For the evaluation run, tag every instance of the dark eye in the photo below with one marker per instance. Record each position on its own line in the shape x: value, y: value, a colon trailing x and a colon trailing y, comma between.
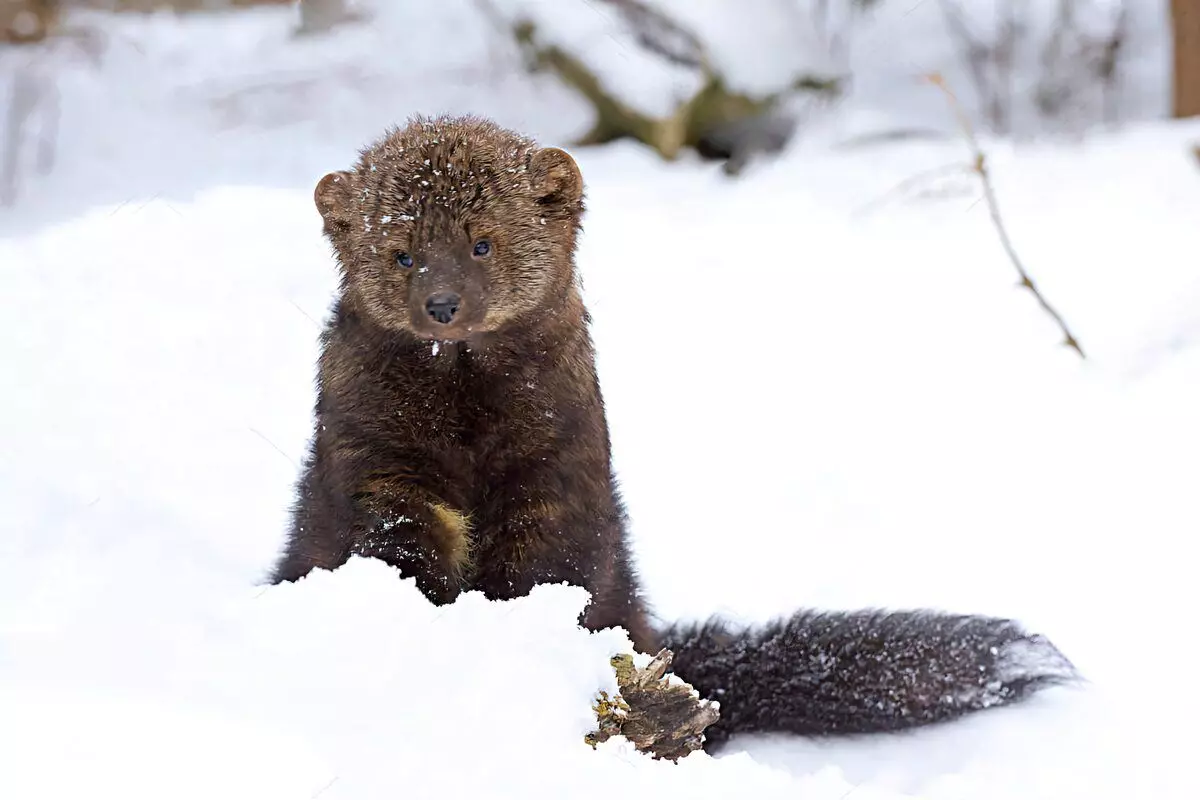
x: 404, y: 260
x: 482, y: 248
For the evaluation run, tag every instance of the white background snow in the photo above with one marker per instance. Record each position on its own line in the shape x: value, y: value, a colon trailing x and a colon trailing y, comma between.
x: 816, y: 399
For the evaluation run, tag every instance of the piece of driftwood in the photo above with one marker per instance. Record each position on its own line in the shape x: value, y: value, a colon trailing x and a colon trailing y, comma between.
x: 716, y: 122
x: 662, y: 717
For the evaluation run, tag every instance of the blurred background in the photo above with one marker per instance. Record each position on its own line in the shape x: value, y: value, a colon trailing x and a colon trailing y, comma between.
x: 86, y: 83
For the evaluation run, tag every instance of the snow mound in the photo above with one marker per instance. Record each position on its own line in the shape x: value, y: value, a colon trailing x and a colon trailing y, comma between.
x: 344, y: 684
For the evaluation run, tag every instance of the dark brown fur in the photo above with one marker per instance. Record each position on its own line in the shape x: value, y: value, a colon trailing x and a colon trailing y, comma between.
x: 499, y: 417
x: 473, y: 453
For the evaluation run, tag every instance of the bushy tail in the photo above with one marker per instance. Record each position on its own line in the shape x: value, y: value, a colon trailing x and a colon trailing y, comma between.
x: 821, y: 673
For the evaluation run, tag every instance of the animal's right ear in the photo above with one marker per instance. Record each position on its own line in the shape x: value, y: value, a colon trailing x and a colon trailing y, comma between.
x: 332, y: 197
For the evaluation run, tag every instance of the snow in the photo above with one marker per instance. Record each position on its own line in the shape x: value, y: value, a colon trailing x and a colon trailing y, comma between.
x: 898, y: 42
x: 823, y: 391
x: 359, y: 715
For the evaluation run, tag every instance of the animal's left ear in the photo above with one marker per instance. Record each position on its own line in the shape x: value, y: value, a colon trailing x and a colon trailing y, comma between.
x: 556, y: 177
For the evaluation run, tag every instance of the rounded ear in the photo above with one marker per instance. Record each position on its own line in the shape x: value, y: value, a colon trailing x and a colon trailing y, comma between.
x: 332, y: 196
x: 556, y: 177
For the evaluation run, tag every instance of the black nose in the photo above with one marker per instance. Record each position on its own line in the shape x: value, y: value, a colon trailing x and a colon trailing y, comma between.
x: 442, y: 306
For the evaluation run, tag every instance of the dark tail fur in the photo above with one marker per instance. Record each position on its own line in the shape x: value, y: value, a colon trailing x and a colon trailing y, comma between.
x: 818, y: 674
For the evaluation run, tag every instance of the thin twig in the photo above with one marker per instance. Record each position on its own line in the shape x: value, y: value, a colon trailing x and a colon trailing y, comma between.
x: 979, y: 165
x: 302, y: 311
x: 278, y: 449
x: 911, y: 182
x: 976, y: 54
x: 657, y: 33
x: 1112, y: 48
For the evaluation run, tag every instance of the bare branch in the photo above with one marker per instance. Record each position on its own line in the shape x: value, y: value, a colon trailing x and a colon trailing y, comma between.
x: 1108, y: 52
x: 1005, y: 57
x: 979, y: 165
x: 975, y: 53
x: 661, y: 35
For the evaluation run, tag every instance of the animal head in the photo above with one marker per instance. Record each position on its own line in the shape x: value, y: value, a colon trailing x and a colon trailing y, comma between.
x: 452, y: 228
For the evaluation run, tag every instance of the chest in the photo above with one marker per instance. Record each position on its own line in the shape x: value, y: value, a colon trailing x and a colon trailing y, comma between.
x: 463, y: 413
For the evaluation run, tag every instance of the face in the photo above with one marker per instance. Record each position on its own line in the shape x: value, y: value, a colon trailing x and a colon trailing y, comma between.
x: 442, y: 286
x: 456, y: 239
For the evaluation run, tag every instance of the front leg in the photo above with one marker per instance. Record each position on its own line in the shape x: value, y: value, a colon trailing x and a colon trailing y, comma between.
x: 554, y: 526
x: 410, y: 529
x: 344, y: 510
x: 530, y: 539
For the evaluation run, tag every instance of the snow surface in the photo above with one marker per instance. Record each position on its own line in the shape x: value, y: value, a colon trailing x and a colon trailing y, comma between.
x: 840, y: 401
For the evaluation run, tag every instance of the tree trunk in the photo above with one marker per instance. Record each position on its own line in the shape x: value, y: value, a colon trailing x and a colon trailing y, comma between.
x: 319, y: 16
x: 1185, y: 22
x: 25, y: 21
